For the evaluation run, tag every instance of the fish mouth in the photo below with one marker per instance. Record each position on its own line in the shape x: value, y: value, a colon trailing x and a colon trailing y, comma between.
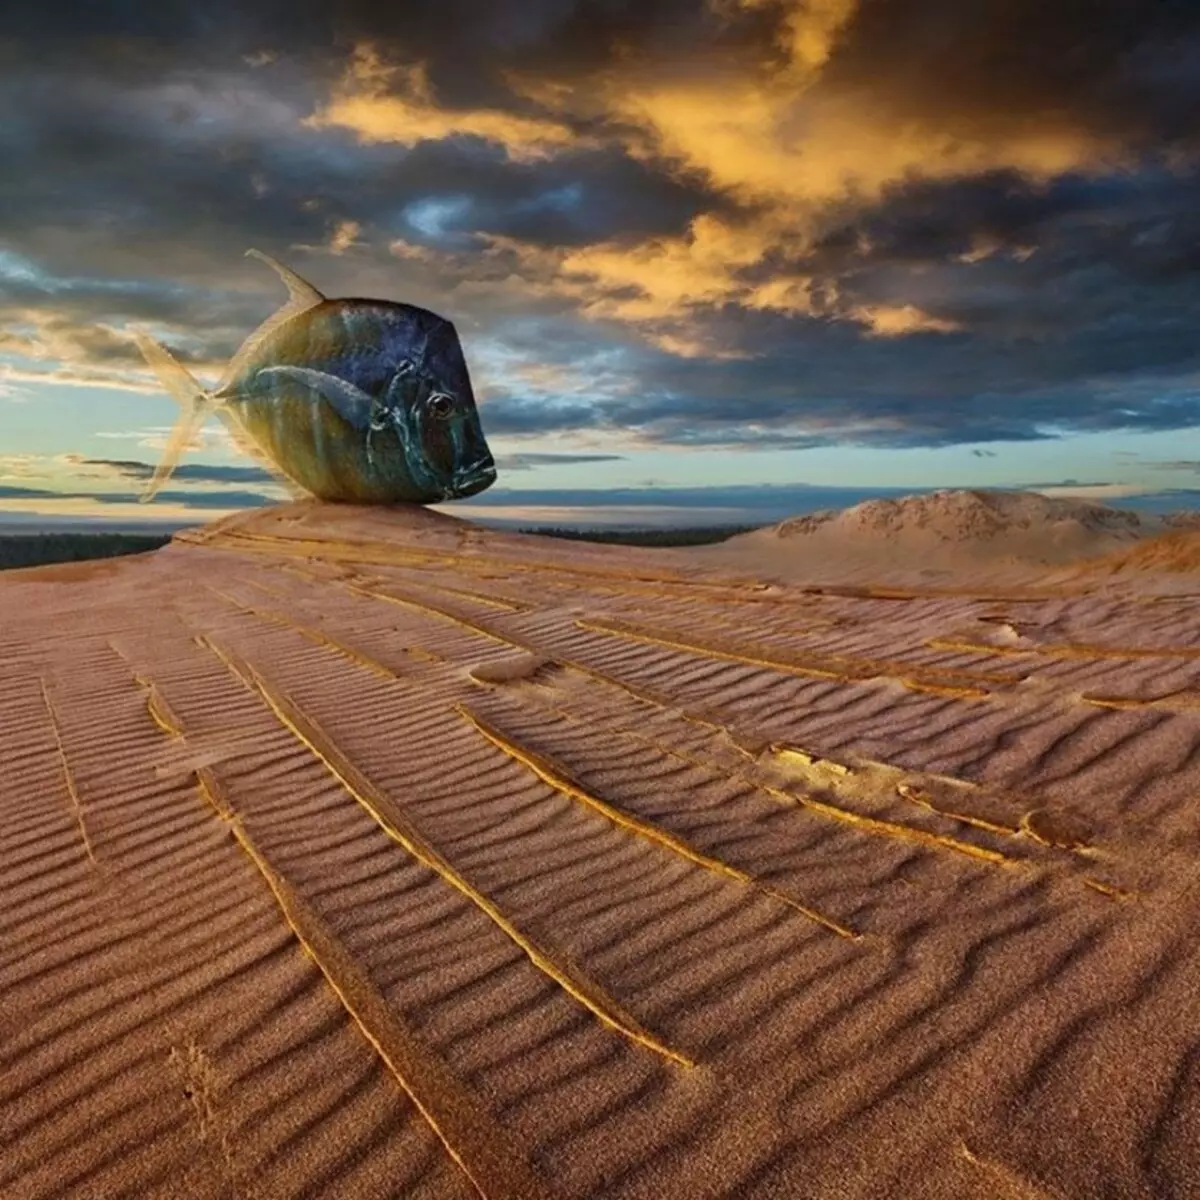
x: 470, y: 480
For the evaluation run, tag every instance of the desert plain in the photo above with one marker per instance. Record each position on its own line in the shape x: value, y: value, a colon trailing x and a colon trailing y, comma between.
x: 353, y: 852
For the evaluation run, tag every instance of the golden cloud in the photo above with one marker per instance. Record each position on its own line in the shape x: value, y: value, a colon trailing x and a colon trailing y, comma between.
x: 782, y: 140
x: 777, y: 137
x: 85, y: 377
x: 345, y: 235
x: 786, y: 147
x: 884, y: 320
x: 666, y: 274
x: 808, y: 30
x: 384, y: 102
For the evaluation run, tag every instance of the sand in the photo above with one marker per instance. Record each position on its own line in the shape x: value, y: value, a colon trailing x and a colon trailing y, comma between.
x: 986, y: 536
x: 367, y: 853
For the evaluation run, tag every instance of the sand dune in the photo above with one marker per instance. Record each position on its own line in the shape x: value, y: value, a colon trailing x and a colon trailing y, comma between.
x: 984, y: 535
x: 361, y: 853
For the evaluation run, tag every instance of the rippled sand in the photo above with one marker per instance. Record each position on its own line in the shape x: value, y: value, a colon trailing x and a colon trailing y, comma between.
x: 365, y: 854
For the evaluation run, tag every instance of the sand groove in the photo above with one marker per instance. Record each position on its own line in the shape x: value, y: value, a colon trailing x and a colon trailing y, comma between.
x: 147, y: 972
x: 546, y: 769
x: 960, y: 684
x: 313, y: 635
x: 565, y: 974
x: 1066, y: 650
x: 467, y: 1130
x: 646, y: 695
x: 68, y: 775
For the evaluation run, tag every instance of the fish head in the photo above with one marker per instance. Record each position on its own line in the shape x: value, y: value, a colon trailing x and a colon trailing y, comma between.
x: 437, y: 418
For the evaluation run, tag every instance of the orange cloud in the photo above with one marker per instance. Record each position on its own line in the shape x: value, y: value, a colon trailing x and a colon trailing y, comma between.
x: 884, y: 320
x: 345, y: 235
x: 776, y: 137
x: 667, y: 274
x: 787, y: 146
x: 782, y: 139
x: 384, y: 102
x: 809, y: 29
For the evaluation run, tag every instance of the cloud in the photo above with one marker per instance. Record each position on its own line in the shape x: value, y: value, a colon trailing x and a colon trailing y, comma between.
x: 1099, y: 492
x: 739, y: 223
x: 900, y: 320
x: 224, y: 500
x: 529, y: 460
x: 1179, y: 464
x: 185, y: 472
x: 386, y: 102
x: 10, y: 491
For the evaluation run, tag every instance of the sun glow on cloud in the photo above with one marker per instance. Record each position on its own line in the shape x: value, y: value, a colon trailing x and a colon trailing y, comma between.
x: 898, y: 320
x: 783, y: 146
x: 384, y: 102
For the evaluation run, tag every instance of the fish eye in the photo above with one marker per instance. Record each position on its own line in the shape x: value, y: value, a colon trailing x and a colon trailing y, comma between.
x: 441, y: 405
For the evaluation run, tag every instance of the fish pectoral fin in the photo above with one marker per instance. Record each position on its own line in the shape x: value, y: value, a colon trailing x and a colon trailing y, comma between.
x: 349, y: 401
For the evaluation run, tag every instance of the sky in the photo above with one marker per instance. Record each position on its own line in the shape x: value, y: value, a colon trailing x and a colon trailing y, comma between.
x: 710, y: 260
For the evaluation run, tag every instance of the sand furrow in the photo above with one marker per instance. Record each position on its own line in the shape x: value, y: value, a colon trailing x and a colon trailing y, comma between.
x: 552, y: 773
x: 68, y: 776
x: 404, y: 834
x: 313, y: 635
x: 712, y: 754
x: 963, y: 684
x: 465, y: 1127
x: 184, y: 928
x: 458, y: 1120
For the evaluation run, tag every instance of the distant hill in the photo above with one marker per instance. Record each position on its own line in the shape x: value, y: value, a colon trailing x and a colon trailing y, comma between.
x: 980, y: 533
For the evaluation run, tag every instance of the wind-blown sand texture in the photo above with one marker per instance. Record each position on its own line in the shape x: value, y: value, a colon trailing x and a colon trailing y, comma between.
x: 355, y: 853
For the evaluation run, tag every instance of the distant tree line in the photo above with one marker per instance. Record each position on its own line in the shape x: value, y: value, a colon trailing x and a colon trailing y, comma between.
x: 40, y: 549
x: 648, y: 537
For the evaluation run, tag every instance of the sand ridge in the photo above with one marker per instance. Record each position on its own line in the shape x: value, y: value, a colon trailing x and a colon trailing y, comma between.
x: 371, y: 853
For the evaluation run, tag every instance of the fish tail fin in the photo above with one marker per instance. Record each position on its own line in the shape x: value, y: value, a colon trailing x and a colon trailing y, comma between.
x: 197, y: 404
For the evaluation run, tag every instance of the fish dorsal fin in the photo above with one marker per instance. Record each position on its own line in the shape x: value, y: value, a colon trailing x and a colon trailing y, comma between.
x: 301, y: 292
x: 301, y: 297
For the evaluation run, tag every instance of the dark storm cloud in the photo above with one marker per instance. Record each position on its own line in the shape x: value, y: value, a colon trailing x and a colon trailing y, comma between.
x: 574, y: 35
x: 1053, y: 288
x: 1122, y: 67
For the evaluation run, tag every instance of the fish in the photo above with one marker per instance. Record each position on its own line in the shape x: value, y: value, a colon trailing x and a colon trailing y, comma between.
x: 349, y: 400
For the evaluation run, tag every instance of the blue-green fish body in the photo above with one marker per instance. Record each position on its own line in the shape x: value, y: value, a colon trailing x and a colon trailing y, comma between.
x: 365, y: 401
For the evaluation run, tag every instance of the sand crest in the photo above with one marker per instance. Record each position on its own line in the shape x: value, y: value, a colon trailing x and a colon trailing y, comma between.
x: 362, y: 853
